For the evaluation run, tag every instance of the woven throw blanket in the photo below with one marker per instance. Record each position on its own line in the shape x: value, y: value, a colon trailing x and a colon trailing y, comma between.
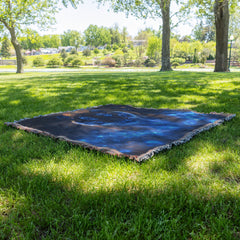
x: 125, y: 131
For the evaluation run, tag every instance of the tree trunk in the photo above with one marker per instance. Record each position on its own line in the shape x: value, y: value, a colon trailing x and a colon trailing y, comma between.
x: 165, y: 8
x: 221, y: 12
x: 17, y: 48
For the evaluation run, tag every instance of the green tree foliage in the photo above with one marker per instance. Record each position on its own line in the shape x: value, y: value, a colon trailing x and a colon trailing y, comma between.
x: 5, y: 49
x: 145, y: 34
x: 74, y: 51
x: 234, y: 25
x: 154, y: 48
x: 124, y: 35
x: 96, y: 50
x: 193, y: 50
x: 31, y: 40
x: 97, y: 36
x: 115, y: 35
x: 205, y: 33
x: 74, y: 3
x: 35, y: 41
x: 86, y: 52
x: 51, y: 41
x: 63, y: 54
x: 72, y: 38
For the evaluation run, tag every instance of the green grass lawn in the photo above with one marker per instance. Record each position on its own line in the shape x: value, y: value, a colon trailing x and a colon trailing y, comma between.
x: 53, y: 190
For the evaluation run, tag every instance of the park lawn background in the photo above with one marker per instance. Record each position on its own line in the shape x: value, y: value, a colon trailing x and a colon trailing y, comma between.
x: 89, y: 60
x: 52, y: 190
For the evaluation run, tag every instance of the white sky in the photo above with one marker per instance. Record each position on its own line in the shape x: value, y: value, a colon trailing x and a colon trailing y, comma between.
x: 88, y: 13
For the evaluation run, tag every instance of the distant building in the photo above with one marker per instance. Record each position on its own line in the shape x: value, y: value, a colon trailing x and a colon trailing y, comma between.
x: 82, y: 48
x: 67, y: 48
x: 33, y: 52
x: 48, y: 50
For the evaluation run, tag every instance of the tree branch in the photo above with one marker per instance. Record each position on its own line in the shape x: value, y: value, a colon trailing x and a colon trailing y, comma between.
x: 5, y: 23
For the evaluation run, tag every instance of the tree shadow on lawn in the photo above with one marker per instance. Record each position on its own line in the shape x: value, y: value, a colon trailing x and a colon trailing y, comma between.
x: 106, y: 197
x: 37, y: 96
x: 52, y: 93
x: 43, y: 204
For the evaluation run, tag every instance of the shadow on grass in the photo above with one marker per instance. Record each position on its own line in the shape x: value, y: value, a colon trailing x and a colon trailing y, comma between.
x: 43, y: 206
x: 34, y: 95
x: 109, y: 198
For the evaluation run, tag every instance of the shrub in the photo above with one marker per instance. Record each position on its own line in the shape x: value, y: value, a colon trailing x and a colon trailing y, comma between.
x: 109, y: 61
x: 131, y: 46
x: 73, y: 61
x: 211, y: 57
x: 150, y: 62
x: 178, y: 60
x: 96, y: 50
x: 130, y: 63
x: 63, y: 54
x: 76, y: 62
x: 97, y: 62
x: 119, y: 60
x: 153, y: 49
x: 68, y: 60
x: 24, y: 60
x: 138, y: 62
x: 86, y: 52
x: 118, y: 52
x: 105, y: 52
x: 54, y: 62
x: 203, y: 59
x: 109, y: 48
x: 115, y: 46
x: 125, y: 50
x: 175, y: 64
x: 126, y: 59
x: 38, y: 62
x: 180, y: 54
x: 195, y: 56
x: 74, y: 51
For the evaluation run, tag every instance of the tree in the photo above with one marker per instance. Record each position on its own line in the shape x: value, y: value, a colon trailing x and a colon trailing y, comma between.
x: 115, y: 35
x: 144, y: 35
x: 221, y: 10
x: 234, y: 25
x: 15, y: 15
x: 51, y: 41
x: 144, y: 9
x: 154, y: 48
x: 31, y: 41
x: 5, y: 49
x: 165, y: 9
x: 124, y: 35
x: 97, y: 36
x: 72, y: 38
x: 205, y: 32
